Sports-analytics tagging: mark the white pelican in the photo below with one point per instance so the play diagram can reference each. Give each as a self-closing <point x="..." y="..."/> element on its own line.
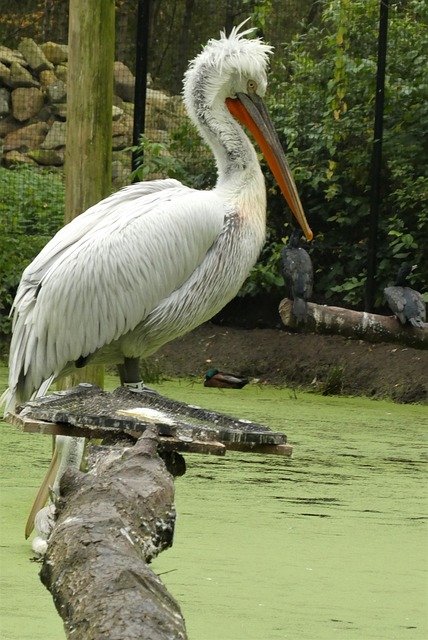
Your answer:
<point x="156" y="259"/>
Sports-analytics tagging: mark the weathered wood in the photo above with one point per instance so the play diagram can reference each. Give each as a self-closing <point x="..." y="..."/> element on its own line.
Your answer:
<point x="89" y="104"/>
<point x="355" y="324"/>
<point x="112" y="522"/>
<point x="88" y="155"/>
<point x="88" y="411"/>
<point x="166" y="443"/>
<point x="266" y="449"/>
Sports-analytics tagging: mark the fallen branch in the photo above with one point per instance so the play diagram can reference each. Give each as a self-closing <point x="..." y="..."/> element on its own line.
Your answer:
<point x="112" y="522"/>
<point x="355" y="324"/>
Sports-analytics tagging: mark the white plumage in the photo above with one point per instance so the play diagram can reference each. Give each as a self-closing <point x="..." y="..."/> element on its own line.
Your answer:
<point x="156" y="259"/>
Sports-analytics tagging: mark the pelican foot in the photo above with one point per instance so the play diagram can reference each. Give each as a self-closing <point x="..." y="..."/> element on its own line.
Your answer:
<point x="139" y="387"/>
<point x="44" y="522"/>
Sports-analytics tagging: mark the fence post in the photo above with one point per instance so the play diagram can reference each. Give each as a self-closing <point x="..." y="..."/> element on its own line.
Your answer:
<point x="89" y="114"/>
<point x="143" y="22"/>
<point x="375" y="200"/>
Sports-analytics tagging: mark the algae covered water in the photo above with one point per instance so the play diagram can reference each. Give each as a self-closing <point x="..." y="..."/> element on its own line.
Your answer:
<point x="332" y="543"/>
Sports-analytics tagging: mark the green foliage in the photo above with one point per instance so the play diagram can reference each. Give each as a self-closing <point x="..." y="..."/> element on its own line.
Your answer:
<point x="31" y="212"/>
<point x="322" y="100"/>
<point x="266" y="274"/>
<point x="185" y="158"/>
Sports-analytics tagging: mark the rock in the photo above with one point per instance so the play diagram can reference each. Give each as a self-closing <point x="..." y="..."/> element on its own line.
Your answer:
<point x="33" y="90"/>
<point x="156" y="98"/>
<point x="4" y="103"/>
<point x="116" y="113"/>
<point x="7" y="125"/>
<point x="48" y="157"/>
<point x="120" y="142"/>
<point x="47" y="77"/>
<point x="61" y="72"/>
<point x="158" y="135"/>
<point x="60" y="110"/>
<point x="26" y="138"/>
<point x="14" y="157"/>
<point x="124" y="82"/>
<point x="7" y="56"/>
<point x="57" y="91"/>
<point x="55" y="53"/>
<point x="119" y="173"/>
<point x="123" y="127"/>
<point x="21" y="77"/>
<point x="55" y="137"/>
<point x="4" y="74"/>
<point x="34" y="55"/>
<point x="26" y="103"/>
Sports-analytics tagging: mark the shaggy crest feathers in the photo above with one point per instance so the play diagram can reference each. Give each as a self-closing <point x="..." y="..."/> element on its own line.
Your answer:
<point x="233" y="54"/>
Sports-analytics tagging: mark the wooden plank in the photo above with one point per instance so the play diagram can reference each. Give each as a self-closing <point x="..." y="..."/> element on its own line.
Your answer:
<point x="195" y="446"/>
<point x="89" y="412"/>
<point x="167" y="443"/>
<point x="88" y="407"/>
<point x="267" y="449"/>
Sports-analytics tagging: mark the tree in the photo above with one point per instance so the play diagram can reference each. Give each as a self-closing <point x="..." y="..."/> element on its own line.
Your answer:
<point x="323" y="103"/>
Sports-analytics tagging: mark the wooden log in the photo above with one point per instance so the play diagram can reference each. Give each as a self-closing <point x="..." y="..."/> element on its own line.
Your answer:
<point x="355" y="324"/>
<point x="112" y="522"/>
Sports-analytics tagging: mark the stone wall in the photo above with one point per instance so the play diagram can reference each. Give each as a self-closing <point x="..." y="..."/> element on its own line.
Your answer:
<point x="33" y="108"/>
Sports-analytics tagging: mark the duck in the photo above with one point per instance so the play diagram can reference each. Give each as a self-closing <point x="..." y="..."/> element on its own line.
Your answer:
<point x="220" y="379"/>
<point x="406" y="303"/>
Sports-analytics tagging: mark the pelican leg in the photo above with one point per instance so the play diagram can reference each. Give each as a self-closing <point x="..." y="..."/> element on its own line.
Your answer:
<point x="129" y="371"/>
<point x="67" y="454"/>
<point x="129" y="374"/>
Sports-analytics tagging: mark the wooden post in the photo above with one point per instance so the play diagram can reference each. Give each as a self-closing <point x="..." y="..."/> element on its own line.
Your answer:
<point x="89" y="104"/>
<point x="89" y="119"/>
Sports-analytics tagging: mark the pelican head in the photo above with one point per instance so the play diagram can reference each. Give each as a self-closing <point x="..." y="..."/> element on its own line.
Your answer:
<point x="229" y="76"/>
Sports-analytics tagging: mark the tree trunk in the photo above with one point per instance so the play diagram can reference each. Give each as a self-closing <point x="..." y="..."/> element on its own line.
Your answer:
<point x="355" y="324"/>
<point x="112" y="522"/>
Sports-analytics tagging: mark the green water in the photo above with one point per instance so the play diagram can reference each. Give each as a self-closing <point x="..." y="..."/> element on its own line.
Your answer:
<point x="330" y="544"/>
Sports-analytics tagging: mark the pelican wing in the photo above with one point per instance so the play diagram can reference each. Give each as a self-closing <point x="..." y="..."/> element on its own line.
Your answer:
<point x="105" y="272"/>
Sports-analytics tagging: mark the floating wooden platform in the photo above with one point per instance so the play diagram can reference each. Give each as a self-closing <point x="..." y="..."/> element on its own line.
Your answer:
<point x="88" y="411"/>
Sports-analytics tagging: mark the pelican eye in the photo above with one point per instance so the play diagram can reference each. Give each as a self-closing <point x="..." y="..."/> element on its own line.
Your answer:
<point x="251" y="86"/>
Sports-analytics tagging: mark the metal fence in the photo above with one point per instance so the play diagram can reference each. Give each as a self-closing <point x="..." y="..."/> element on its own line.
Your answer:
<point x="33" y="73"/>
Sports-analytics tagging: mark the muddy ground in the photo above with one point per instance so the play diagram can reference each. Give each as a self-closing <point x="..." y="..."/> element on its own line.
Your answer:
<point x="270" y="354"/>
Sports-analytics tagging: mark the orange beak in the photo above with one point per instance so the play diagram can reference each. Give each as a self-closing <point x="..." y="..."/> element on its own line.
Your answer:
<point x="251" y="111"/>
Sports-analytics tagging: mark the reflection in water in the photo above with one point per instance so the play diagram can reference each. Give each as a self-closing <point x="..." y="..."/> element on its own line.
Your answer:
<point x="332" y="543"/>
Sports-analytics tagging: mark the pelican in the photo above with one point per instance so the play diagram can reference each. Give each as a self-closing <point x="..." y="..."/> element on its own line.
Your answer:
<point x="406" y="303"/>
<point x="156" y="259"/>
<point x="298" y="274"/>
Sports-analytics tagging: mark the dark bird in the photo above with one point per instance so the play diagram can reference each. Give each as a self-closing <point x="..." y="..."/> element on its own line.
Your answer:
<point x="404" y="302"/>
<point x="298" y="274"/>
<point x="215" y="378"/>
<point x="157" y="259"/>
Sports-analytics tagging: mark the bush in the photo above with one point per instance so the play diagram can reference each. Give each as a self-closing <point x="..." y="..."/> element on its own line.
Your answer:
<point x="323" y="105"/>
<point x="31" y="212"/>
